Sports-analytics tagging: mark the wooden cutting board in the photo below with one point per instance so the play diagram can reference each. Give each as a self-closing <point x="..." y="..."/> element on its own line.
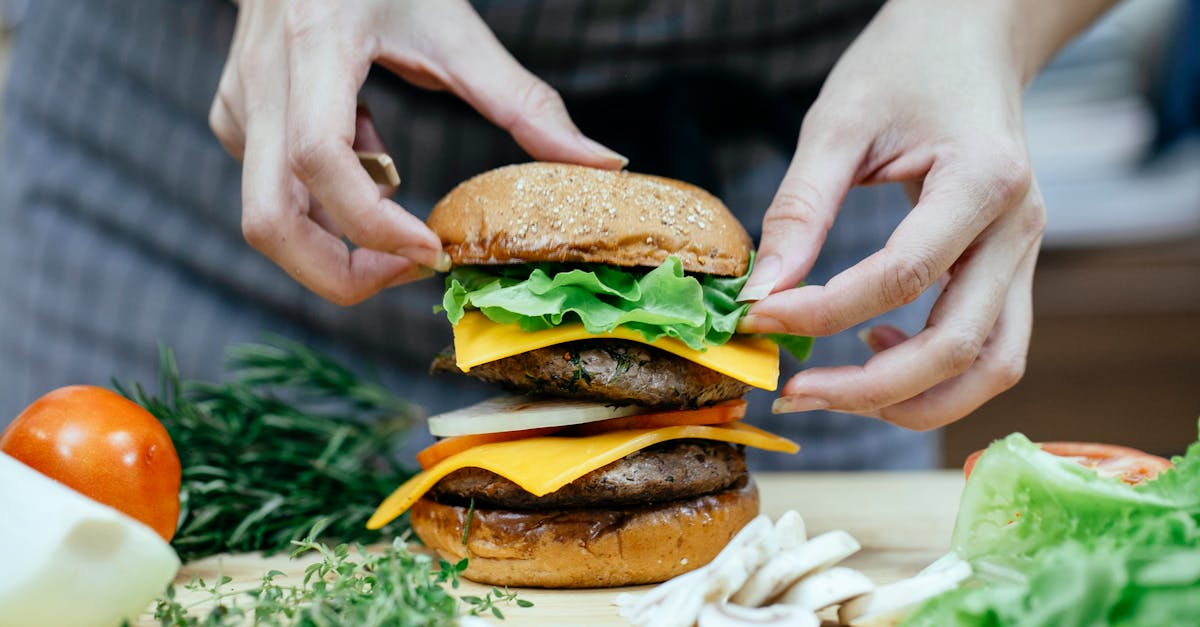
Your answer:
<point x="903" y="521"/>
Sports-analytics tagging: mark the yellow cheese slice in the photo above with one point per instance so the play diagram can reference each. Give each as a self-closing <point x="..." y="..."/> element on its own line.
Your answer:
<point x="477" y="340"/>
<point x="543" y="465"/>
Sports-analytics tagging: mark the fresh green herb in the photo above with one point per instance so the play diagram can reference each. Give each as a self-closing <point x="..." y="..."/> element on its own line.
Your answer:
<point x="293" y="438"/>
<point x="346" y="586"/>
<point x="1053" y="543"/>
<point x="663" y="302"/>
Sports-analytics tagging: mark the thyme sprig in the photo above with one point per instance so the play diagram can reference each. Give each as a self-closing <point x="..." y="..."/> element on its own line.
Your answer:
<point x="346" y="586"/>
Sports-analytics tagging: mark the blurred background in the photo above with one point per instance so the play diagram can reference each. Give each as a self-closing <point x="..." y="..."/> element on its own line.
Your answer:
<point x="1115" y="354"/>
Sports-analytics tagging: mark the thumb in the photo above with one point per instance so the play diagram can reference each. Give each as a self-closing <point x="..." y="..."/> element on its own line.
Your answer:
<point x="502" y="90"/>
<point x="795" y="225"/>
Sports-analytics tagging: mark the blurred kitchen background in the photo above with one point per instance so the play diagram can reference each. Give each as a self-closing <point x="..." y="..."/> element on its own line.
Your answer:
<point x="1113" y="134"/>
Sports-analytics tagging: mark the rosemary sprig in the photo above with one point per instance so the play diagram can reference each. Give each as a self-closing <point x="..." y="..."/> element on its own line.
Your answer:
<point x="347" y="586"/>
<point x="291" y="440"/>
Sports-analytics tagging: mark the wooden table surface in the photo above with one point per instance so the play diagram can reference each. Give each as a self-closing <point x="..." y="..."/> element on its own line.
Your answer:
<point x="902" y="520"/>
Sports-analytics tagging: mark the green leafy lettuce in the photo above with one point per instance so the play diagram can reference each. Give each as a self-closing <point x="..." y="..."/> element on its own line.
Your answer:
<point x="1053" y="543"/>
<point x="663" y="302"/>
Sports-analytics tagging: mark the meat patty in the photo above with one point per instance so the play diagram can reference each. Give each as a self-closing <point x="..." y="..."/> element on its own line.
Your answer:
<point x="605" y="370"/>
<point x="664" y="472"/>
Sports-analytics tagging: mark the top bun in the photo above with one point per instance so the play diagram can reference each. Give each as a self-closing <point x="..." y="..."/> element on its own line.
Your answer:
<point x="569" y="213"/>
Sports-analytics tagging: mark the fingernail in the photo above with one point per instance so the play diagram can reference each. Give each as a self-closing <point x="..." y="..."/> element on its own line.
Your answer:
<point x="762" y="279"/>
<point x="425" y="273"/>
<point x="605" y="152"/>
<point x="441" y="262"/>
<point x="751" y="323"/>
<point x="790" y="404"/>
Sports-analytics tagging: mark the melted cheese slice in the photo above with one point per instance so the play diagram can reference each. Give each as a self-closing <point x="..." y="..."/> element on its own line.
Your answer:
<point x="477" y="340"/>
<point x="543" y="465"/>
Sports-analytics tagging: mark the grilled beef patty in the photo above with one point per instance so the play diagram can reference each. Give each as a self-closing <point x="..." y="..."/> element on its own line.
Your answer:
<point x="605" y="370"/>
<point x="664" y="472"/>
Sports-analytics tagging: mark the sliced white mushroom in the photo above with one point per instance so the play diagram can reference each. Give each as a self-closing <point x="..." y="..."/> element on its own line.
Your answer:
<point x="727" y="615"/>
<point x="680" y="600"/>
<point x="889" y="604"/>
<point x="829" y="587"/>
<point x="790" y="530"/>
<point x="786" y="568"/>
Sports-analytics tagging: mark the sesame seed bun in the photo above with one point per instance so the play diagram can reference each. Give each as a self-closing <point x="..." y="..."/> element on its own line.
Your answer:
<point x="567" y="213"/>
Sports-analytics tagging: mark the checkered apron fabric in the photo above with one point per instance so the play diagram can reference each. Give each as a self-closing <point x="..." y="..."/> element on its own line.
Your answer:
<point x="120" y="212"/>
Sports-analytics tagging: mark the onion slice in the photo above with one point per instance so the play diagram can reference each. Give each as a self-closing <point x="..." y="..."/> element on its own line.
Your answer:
<point x="513" y="413"/>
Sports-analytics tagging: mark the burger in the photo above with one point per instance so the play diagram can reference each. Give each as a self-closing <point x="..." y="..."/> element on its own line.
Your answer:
<point x="604" y="303"/>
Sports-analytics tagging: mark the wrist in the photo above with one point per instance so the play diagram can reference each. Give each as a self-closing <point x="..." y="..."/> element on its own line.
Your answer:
<point x="1037" y="29"/>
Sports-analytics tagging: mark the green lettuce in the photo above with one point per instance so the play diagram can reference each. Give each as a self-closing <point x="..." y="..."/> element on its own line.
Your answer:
<point x="1053" y="543"/>
<point x="662" y="302"/>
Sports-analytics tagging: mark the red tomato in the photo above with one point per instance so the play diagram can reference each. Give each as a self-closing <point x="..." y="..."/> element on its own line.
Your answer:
<point x="104" y="446"/>
<point x="1108" y="460"/>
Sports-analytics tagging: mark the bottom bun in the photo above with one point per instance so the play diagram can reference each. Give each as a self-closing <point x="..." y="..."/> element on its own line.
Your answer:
<point x="587" y="548"/>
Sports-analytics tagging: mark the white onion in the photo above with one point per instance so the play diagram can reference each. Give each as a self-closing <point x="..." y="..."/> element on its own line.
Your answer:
<point x="70" y="561"/>
<point x="514" y="413"/>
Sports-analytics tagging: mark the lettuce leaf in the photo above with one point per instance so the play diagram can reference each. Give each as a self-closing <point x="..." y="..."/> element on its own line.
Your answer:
<point x="662" y="302"/>
<point x="1071" y="584"/>
<point x="1053" y="543"/>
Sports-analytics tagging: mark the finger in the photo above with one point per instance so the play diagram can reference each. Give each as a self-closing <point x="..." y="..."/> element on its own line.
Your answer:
<point x="958" y="326"/>
<point x="276" y="224"/>
<point x="882" y="337"/>
<point x="803" y="210"/>
<point x="954" y="210"/>
<point x="482" y="72"/>
<point x="1000" y="365"/>
<point x="367" y="139"/>
<point x="226" y="126"/>
<point x="226" y="112"/>
<point x="321" y="128"/>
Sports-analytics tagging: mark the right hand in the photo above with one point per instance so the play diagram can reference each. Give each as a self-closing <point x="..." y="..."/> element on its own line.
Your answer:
<point x="287" y="108"/>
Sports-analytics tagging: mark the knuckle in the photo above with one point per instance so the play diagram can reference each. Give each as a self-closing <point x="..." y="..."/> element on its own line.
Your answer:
<point x="540" y="99"/>
<point x="959" y="351"/>
<point x="219" y="120"/>
<point x="906" y="279"/>
<point x="874" y="398"/>
<point x="309" y="154"/>
<point x="797" y="201"/>
<point x="826" y="320"/>
<point x="216" y="120"/>
<point x="368" y="230"/>
<point x="1009" y="172"/>
<point x="257" y="229"/>
<point x="300" y="19"/>
<point x="1033" y="220"/>
<point x="1008" y="371"/>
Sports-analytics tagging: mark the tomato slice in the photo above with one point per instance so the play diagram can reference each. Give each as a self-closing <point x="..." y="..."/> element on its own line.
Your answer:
<point x="723" y="412"/>
<point x="1108" y="460"/>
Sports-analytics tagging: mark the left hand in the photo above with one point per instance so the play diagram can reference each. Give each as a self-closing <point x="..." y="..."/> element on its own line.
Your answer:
<point x="930" y="96"/>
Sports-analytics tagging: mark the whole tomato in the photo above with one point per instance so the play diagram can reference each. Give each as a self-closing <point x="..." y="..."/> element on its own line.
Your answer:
<point x="104" y="446"/>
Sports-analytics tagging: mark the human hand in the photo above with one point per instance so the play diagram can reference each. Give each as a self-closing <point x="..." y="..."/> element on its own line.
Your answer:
<point x="287" y="107"/>
<point x="929" y="95"/>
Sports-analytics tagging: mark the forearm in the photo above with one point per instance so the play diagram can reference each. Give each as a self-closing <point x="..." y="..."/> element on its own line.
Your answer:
<point x="1026" y="33"/>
